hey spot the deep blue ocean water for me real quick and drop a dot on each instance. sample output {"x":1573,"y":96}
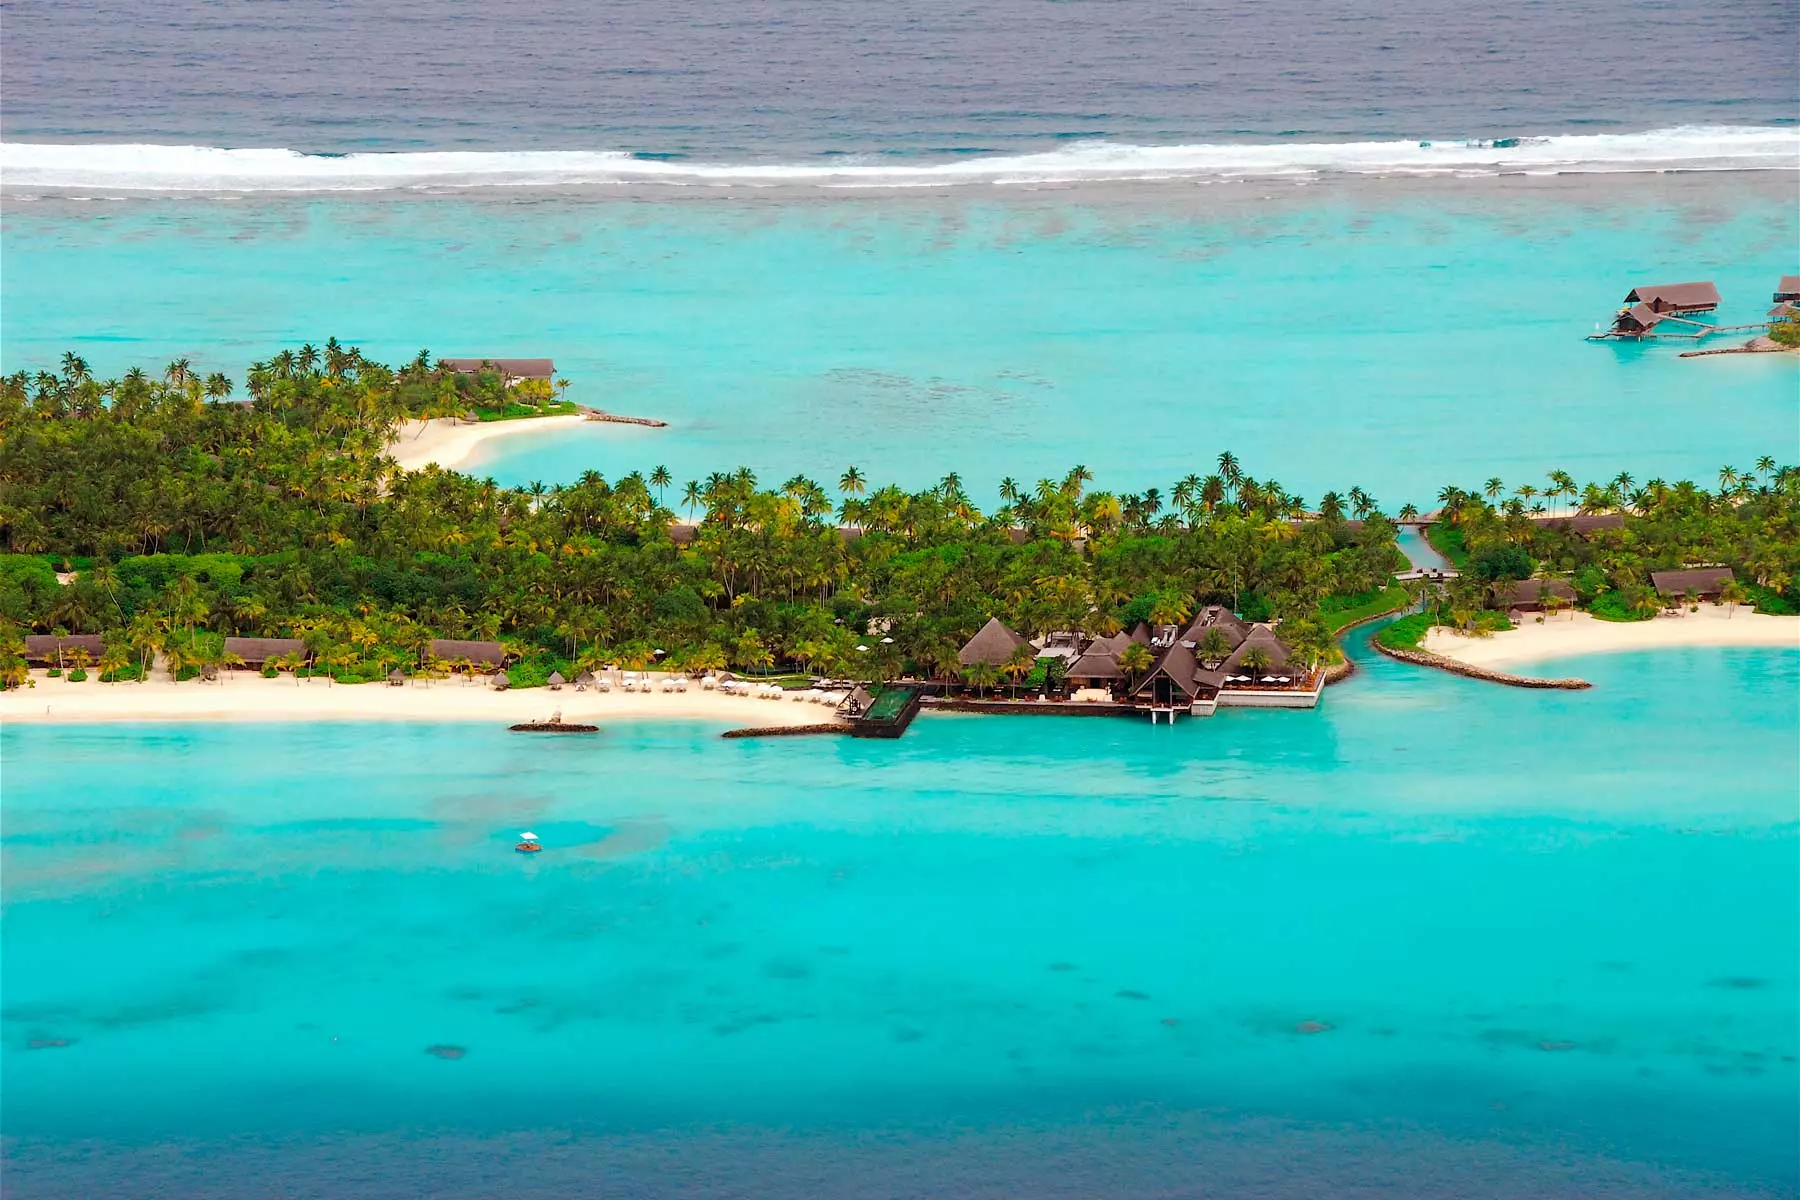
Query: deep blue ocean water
{"x":778,"y":79}
{"x":1549,"y":943}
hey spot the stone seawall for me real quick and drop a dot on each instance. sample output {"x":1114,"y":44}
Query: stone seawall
{"x":787,"y":730}
{"x":1425,"y":658}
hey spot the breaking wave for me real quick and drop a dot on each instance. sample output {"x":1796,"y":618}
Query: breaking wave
{"x":82,"y":169}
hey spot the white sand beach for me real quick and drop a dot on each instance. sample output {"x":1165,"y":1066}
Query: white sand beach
{"x":1579,"y":633}
{"x":242,"y":696}
{"x":449,"y":442}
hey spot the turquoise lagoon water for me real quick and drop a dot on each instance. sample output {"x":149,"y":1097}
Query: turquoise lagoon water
{"x":1398,"y":334}
{"x":1546,"y":943}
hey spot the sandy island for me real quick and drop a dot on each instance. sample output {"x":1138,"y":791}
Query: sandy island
{"x":1579,"y":633}
{"x":247,"y":697}
{"x":449,"y":442}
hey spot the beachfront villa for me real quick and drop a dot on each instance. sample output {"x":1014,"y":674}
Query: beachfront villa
{"x":1216,"y":659}
{"x":513,"y":371}
{"x":1703,"y":582}
{"x":1533,"y":595}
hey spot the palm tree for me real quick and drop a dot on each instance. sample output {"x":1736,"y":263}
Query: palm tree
{"x":114,"y":657}
{"x":1019,"y":665}
{"x":1214,"y":648}
{"x":1409,"y":512}
{"x":851,"y":482}
{"x":1134,"y":660}
{"x":981,"y":675}
{"x":1256,"y":660}
{"x":660,"y":479}
{"x":1732,"y":593}
{"x":1494,"y":487}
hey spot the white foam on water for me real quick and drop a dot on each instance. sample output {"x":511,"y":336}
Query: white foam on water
{"x":38,"y":167}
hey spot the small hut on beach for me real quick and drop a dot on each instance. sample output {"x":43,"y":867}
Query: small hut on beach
{"x":500,"y":681}
{"x":556,"y":681}
{"x":584,"y":681}
{"x":396,"y":678}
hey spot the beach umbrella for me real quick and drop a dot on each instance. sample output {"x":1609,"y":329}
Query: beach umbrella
{"x":528,"y":836}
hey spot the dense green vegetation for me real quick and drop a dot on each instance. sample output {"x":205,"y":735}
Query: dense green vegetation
{"x":190,"y":516}
{"x":1340,"y":612}
{"x":1750,"y":523}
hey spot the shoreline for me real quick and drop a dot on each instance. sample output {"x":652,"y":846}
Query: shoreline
{"x":249,"y":698}
{"x":450,"y":442}
{"x":1577,"y":633}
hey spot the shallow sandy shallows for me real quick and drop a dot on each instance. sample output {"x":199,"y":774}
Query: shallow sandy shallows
{"x":1579,"y":633}
{"x":450,"y":443}
{"x":253,"y":698}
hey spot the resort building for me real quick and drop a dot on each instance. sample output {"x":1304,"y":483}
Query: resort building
{"x":1788,"y":290}
{"x":481,"y":654}
{"x":1582,"y":524}
{"x":48,"y":650}
{"x":257,"y":651}
{"x":512,"y":370}
{"x":1533,"y":595}
{"x":1636,"y":321}
{"x":1675,"y":299}
{"x":1215,"y":659}
{"x":1704,"y":582}
{"x":993,"y":644}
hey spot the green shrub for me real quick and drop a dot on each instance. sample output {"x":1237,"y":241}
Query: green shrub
{"x":269,"y":672}
{"x":187,"y":673}
{"x":129,"y":673}
{"x":1770,"y":601}
{"x":1610,"y":605}
{"x":54,"y":673}
{"x":1407,"y":632}
{"x":78,"y":675}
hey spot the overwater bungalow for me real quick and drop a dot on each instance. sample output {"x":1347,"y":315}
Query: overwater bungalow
{"x":1704,"y":582}
{"x":1676,"y":299}
{"x":1788,"y":290}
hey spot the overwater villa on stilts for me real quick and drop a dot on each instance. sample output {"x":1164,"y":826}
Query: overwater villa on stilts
{"x":1667,"y":310}
{"x":1216,"y":660}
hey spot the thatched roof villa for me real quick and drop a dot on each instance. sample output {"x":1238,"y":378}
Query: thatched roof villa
{"x":1788,"y":290}
{"x":512,"y":370}
{"x":482,"y":654}
{"x":48,"y":650}
{"x":1530,"y":595}
{"x":257,"y":651}
{"x":1705,"y":582}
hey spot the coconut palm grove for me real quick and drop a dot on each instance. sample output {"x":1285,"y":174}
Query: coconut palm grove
{"x":189,"y":514}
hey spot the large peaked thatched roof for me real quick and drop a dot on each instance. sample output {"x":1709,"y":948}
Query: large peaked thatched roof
{"x":993,"y":643}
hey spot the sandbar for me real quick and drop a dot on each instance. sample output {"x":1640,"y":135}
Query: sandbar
{"x":241,"y":696}
{"x":449,"y":442}
{"x":1571,"y":633}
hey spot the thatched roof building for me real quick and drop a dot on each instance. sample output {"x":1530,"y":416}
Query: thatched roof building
{"x":993,"y":643}
{"x":43,"y":649}
{"x":511,"y":369}
{"x":484,"y":654}
{"x":1638,"y":319}
{"x":1788,"y":290}
{"x":1582,"y":524}
{"x":396,"y":678}
{"x":257,"y":651}
{"x":1527,"y":595}
{"x":1702,"y":581}
{"x":1677,"y":298}
{"x":556,"y":680}
{"x":1260,"y":637}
